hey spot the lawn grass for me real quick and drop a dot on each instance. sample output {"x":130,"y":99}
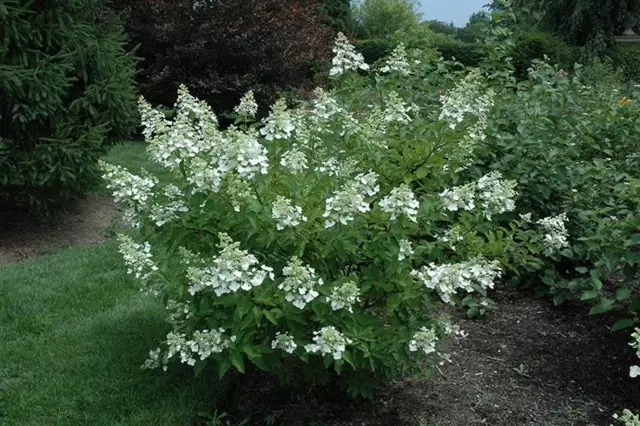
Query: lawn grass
{"x":74,"y":331}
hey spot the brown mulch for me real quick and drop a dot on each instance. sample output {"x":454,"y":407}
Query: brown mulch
{"x":83,"y":221}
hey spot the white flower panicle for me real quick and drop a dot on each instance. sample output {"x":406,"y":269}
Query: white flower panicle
{"x":154,"y":122}
{"x":401,"y":201}
{"x":459,"y":197}
{"x":284,"y":342}
{"x":248,"y":106}
{"x":405,"y":250}
{"x":244,"y":154}
{"x":556,"y":234}
{"x":280,"y":123}
{"x":350,"y":200}
{"x":374,"y":127}
{"x":447,"y":279}
{"x":634,"y":371}
{"x":299,"y":283}
{"x":628,"y":418}
{"x":397,"y":62}
{"x":452,"y":236}
{"x":286,"y":214}
{"x":324,"y":107}
{"x":238,"y":190}
{"x":131,"y":190}
{"x":295,"y":160}
{"x":424,"y":340}
{"x":468,"y":97}
{"x":497,"y":194}
{"x":137,"y":257}
{"x":233,"y":269}
{"x":344,"y":296}
{"x":201,"y":345}
{"x":328,"y":341}
{"x":396,"y":110}
{"x":346,"y":58}
{"x":161,"y":214}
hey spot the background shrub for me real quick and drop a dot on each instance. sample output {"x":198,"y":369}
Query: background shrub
{"x":66,"y":89}
{"x":222,"y":49}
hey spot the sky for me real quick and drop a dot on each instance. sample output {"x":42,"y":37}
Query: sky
{"x":456,"y":11}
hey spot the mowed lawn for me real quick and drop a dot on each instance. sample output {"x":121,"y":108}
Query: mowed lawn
{"x":74,"y":331}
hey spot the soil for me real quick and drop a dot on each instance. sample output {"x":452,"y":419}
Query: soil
{"x":529,"y":363}
{"x":83,"y":221}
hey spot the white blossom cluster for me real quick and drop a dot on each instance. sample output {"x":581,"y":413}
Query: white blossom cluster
{"x":343,"y":204}
{"x":497,"y":194}
{"x":280,"y":123}
{"x":494,"y":194}
{"x":248,"y":107}
{"x":628,"y":418}
{"x":233,"y":269}
{"x":179,"y":312}
{"x":163,"y":213}
{"x":331,"y":166}
{"x":286,"y":214}
{"x":401,"y":201}
{"x":238,"y":190}
{"x":397,"y":62}
{"x":424,"y":340}
{"x":396,"y":110}
{"x":556,"y":234}
{"x":344,"y":296}
{"x":374,"y":127}
{"x":447,"y":279}
{"x":459,"y":197}
{"x":244,"y":154}
{"x":452,"y":236}
{"x":295,"y":160}
{"x":327,"y":341}
{"x":202,"y":344}
{"x":468,"y":97}
{"x":324,"y":107}
{"x":284,"y":342}
{"x":346,"y":58}
{"x":405,"y":251}
{"x":634,"y":371}
{"x":132,"y":191}
{"x":137,"y":257}
{"x":299,"y":283}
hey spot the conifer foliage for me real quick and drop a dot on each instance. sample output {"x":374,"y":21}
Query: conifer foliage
{"x":66,"y":89}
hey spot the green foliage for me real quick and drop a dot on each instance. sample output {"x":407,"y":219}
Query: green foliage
{"x":532,"y":45}
{"x":468,"y":54}
{"x":362,"y":142}
{"x":374,"y":49}
{"x":627,"y":56}
{"x":67,"y":88}
{"x":380,"y":19}
{"x":339,"y":15}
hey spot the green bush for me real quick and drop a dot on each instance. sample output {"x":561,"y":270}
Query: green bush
{"x":66,"y":89}
{"x":469,"y":54}
{"x":532,"y":45}
{"x":318,"y":244}
{"x":627,"y":57}
{"x":374,"y":49}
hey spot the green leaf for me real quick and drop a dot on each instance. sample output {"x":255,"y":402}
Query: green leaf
{"x":582,"y":270}
{"x":605,"y":305}
{"x":589,"y":295}
{"x":621,"y":324}
{"x":559,"y":299}
{"x":623,"y":293}
{"x":237,"y":360}
{"x":223,"y":367}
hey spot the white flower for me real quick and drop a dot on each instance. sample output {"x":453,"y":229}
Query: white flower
{"x":634,"y":371}
{"x":452,"y":236}
{"x":346,"y":58}
{"x":496,"y":194}
{"x":248,"y":106}
{"x":397,"y":62}
{"x":525,"y":218}
{"x":344,"y":296}
{"x":161,"y":214}
{"x":131,"y":190}
{"x":327,"y":341}
{"x":468,"y":97}
{"x":286,"y":214}
{"x":238,"y":190}
{"x":447,"y":279}
{"x":284,"y":342}
{"x":556,"y":234}
{"x":233,"y":269}
{"x":424,"y":340}
{"x":280,"y":124}
{"x":628,"y":418}
{"x":405,"y":250}
{"x":324,"y":107}
{"x":202,"y":344}
{"x":396,"y":110}
{"x":294,"y":160}
{"x":401,"y":201}
{"x":244,"y":154}
{"x":350,"y":199}
{"x":459,"y":197}
{"x":137,"y":257}
{"x":299,"y":283}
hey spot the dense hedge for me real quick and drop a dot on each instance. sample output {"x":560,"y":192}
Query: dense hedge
{"x":221,"y":49}
{"x":66,"y":87}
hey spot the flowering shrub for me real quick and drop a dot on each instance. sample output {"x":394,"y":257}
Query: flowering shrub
{"x":325,"y":235}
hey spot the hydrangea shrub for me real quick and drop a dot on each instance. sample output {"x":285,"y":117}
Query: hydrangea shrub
{"x":324,"y":238}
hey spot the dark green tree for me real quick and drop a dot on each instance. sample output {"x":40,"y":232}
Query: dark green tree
{"x":66,"y":88}
{"x":339,"y":15}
